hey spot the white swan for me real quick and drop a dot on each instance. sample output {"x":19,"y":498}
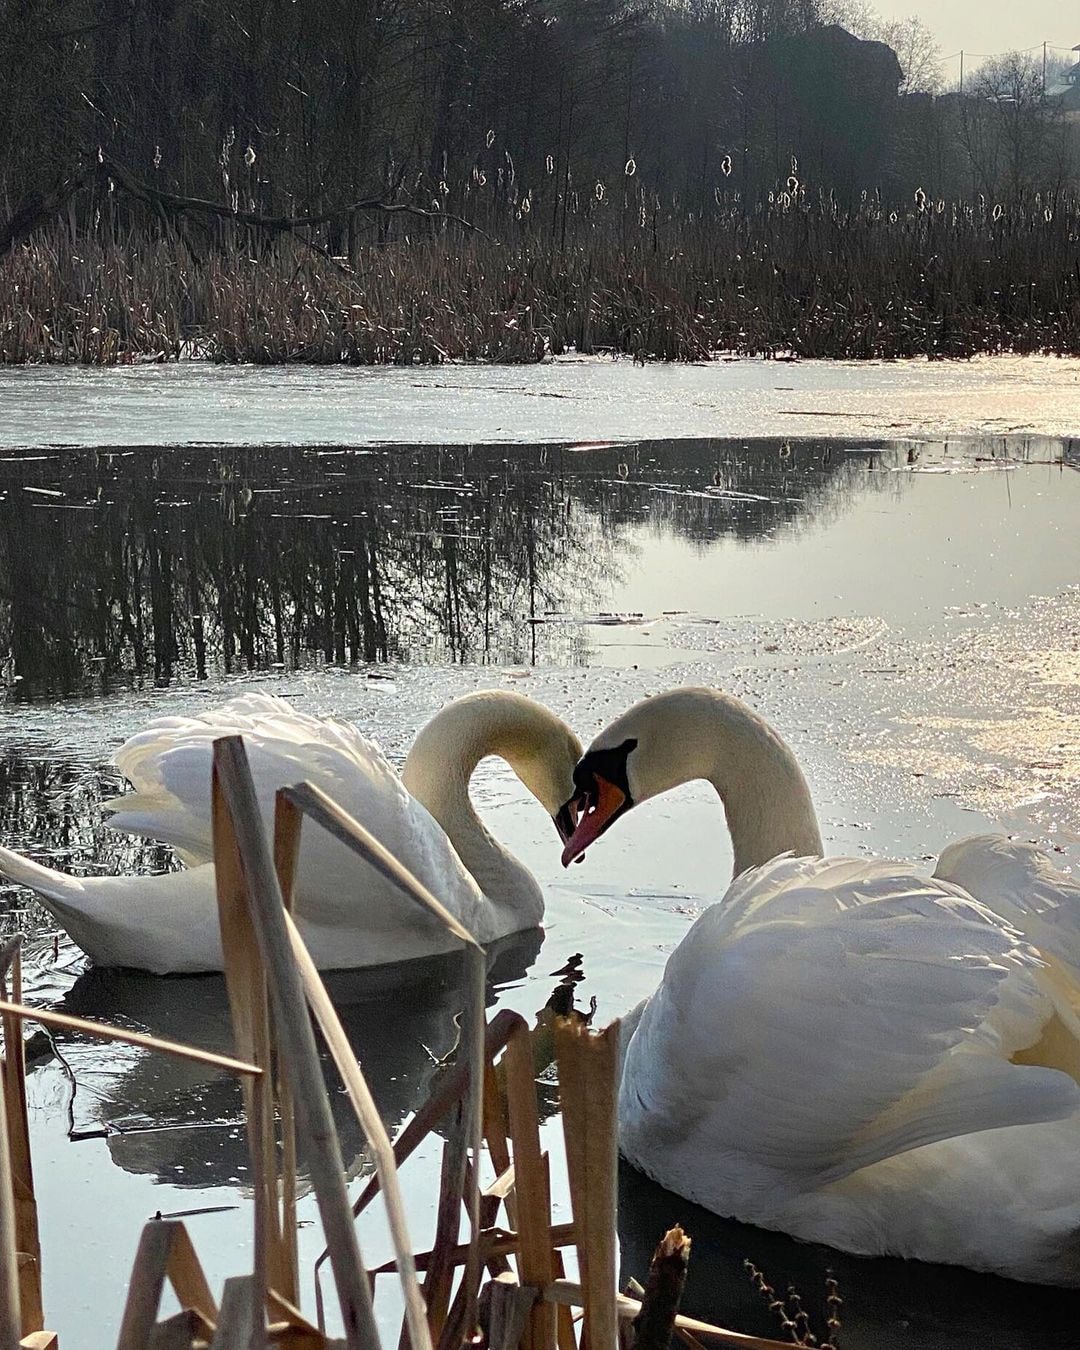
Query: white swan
{"x":348,"y":914}
{"x":843,"y":1050}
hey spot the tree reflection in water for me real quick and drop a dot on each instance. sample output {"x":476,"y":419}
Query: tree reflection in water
{"x":119,"y":567}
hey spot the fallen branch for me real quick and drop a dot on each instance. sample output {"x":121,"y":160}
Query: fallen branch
{"x":39,"y":208}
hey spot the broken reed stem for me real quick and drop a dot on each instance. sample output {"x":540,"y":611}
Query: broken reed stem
{"x":568,"y":1293}
{"x":536,"y":1263}
{"x":287,"y":830}
{"x":164,"y":1253}
{"x":587,"y":1091}
{"x":10,"y":1317}
{"x":367,"y":1114}
{"x":663,"y":1292}
{"x":473,"y":1028}
{"x":297,"y":1041}
{"x":245,"y":979}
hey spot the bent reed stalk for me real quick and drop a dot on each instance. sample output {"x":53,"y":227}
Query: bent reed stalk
{"x":645,"y":277}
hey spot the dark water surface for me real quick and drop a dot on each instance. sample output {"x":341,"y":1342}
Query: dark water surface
{"x":907,"y":614}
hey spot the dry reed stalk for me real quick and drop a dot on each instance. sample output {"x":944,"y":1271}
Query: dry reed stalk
{"x":246,"y":983}
{"x":570,"y":1293}
{"x":179,"y":1332}
{"x":286,"y":1314}
{"x":588,"y":1064}
{"x":564,"y":1316}
{"x":495,"y":1134}
{"x":461,"y":1177}
{"x":164,"y":1253}
{"x":27,"y":1237}
{"x":496,"y":1242}
{"x":536,"y":1267}
{"x":287,"y":830}
{"x":236,"y":1328}
{"x":102,"y":1032}
{"x":447,"y":1092}
{"x":237,"y":813}
{"x":10,"y":1316}
{"x":663,"y":1293}
{"x":509,"y":1311}
{"x":367,"y":1114}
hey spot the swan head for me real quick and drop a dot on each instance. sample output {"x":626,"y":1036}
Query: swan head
{"x":546,"y":768}
{"x":641,"y":754}
{"x":688,"y":734}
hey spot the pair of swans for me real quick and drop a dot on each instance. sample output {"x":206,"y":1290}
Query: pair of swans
{"x":847,"y":1051}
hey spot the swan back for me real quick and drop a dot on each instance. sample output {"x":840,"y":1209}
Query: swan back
{"x":169,"y":765}
{"x":827,"y":1015}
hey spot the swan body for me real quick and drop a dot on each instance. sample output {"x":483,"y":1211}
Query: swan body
{"x":349,"y":915}
{"x":844,"y":1050}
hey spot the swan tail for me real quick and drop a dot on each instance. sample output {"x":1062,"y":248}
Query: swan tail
{"x":156,"y":817}
{"x":51,"y":885}
{"x":1020,"y":883}
{"x":165,"y":923}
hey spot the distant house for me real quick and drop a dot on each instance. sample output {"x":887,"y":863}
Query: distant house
{"x":1066,"y":90}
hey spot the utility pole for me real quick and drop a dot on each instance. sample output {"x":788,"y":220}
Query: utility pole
{"x":1044,"y":69}
{"x":961,"y":72}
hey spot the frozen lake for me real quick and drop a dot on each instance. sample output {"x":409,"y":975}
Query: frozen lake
{"x":896,"y":594}
{"x":569,"y":399}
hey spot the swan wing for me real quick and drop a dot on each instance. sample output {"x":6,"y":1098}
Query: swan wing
{"x":169,"y":765}
{"x":1019,"y":882}
{"x":829,"y":1013}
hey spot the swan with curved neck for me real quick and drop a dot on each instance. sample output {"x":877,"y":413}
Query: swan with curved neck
{"x":689,"y":734}
{"x":847,"y":1050}
{"x":350,"y":916}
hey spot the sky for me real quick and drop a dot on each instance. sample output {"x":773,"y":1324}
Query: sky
{"x":990,"y":26}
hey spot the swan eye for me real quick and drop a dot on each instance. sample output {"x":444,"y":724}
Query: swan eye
{"x":607,"y":764}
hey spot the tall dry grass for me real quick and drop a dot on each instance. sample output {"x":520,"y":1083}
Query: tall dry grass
{"x":642,"y":277}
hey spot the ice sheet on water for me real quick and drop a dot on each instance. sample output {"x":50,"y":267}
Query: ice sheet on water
{"x":590,"y":402}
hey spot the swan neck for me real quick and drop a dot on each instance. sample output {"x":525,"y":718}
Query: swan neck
{"x":437,"y":773}
{"x":766,"y":800}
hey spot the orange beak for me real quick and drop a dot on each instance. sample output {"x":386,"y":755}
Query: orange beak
{"x":610,"y":800}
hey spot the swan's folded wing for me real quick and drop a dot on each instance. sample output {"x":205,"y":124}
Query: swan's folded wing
{"x":169,"y":765}
{"x":1018,"y":881}
{"x":801,"y":1031}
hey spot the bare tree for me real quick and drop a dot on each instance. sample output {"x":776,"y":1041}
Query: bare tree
{"x":1014,"y":136}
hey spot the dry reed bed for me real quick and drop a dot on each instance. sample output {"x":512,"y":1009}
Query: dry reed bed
{"x":794,"y":275}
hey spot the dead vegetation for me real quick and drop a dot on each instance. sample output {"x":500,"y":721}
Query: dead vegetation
{"x":641,"y":275}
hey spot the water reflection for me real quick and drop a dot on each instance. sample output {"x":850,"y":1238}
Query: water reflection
{"x":181,"y":1123}
{"x":126,"y":566}
{"x":888,"y":1303}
